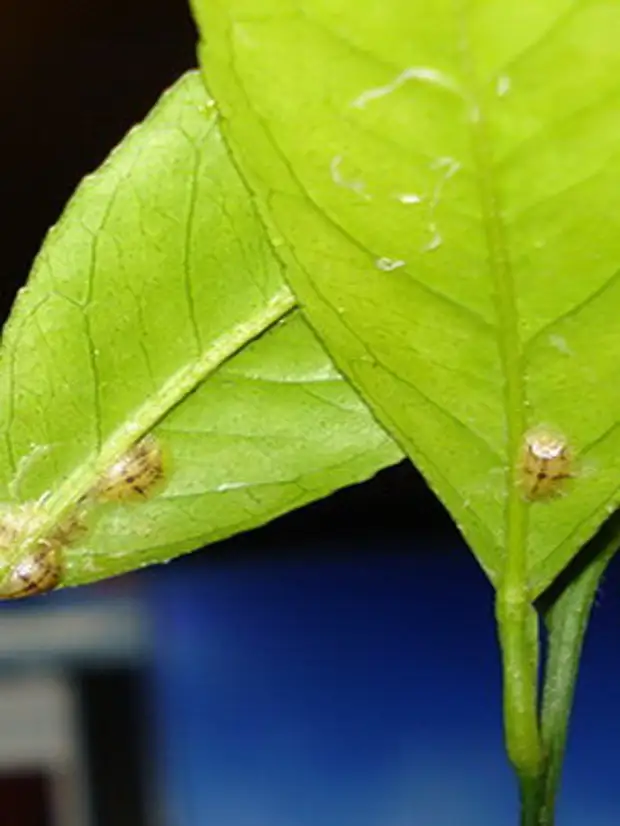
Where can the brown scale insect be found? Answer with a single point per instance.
(135, 475)
(39, 570)
(546, 464)
(36, 573)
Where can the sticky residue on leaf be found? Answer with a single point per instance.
(446, 168)
(503, 85)
(421, 74)
(388, 264)
(560, 343)
(409, 198)
(337, 176)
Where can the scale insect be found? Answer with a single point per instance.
(36, 573)
(546, 464)
(40, 569)
(135, 475)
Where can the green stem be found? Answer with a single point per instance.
(518, 631)
(566, 609)
(531, 795)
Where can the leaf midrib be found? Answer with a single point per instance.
(508, 338)
(60, 505)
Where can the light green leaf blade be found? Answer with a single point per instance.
(157, 305)
(445, 177)
(274, 428)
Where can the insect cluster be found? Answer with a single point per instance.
(546, 464)
(134, 476)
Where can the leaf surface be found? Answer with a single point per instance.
(443, 181)
(157, 306)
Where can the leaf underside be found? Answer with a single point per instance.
(442, 179)
(157, 305)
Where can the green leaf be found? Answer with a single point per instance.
(157, 306)
(443, 181)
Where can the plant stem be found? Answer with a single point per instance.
(566, 616)
(518, 632)
(531, 794)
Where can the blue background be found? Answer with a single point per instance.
(357, 689)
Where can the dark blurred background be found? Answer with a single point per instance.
(335, 668)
